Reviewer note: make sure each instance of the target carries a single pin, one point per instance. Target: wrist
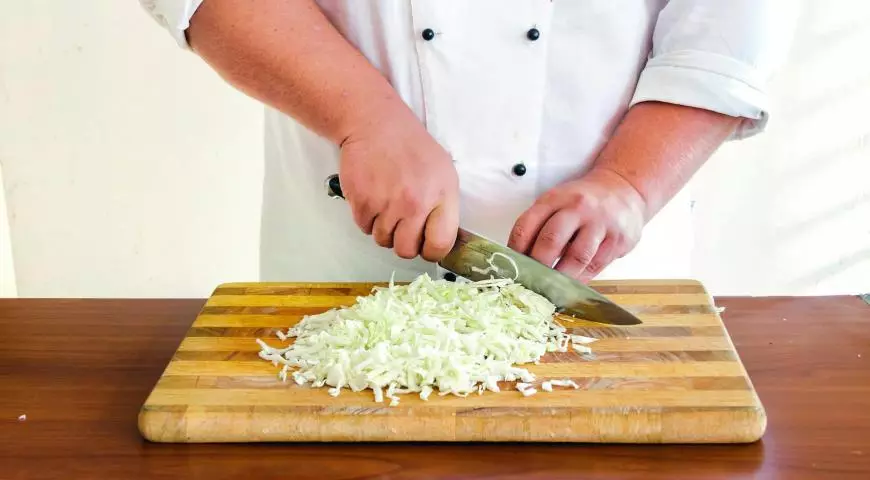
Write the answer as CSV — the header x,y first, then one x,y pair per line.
x,y
627,191
386,115
659,146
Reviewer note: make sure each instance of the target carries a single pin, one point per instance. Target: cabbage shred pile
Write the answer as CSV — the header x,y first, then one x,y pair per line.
x,y
457,337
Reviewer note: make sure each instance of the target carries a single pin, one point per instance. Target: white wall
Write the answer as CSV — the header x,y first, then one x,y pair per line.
x,y
8,287
788,212
130,168
99,111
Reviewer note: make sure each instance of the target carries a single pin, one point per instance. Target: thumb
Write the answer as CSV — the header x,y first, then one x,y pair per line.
x,y
441,228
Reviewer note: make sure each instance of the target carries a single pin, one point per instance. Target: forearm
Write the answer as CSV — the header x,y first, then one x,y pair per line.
x,y
659,146
289,56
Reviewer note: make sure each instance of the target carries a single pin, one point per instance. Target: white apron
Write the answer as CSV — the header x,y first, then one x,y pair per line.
x,y
541,83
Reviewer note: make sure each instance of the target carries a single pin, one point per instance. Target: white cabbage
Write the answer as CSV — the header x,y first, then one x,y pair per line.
x,y
456,337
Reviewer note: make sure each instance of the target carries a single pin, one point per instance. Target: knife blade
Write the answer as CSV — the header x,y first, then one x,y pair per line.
x,y
477,258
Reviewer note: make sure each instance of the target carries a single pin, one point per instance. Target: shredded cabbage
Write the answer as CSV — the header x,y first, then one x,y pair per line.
x,y
528,392
456,337
564,383
582,339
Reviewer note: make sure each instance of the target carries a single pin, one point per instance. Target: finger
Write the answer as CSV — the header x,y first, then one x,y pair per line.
x,y
606,254
440,232
581,250
383,229
408,237
363,216
527,226
554,236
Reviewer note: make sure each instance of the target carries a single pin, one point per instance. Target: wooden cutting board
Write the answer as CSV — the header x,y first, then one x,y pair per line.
x,y
674,379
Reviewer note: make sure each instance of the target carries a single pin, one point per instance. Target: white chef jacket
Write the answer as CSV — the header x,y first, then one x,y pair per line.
x,y
494,97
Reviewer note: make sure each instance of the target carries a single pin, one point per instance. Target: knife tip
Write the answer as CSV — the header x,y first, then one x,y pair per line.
x,y
602,313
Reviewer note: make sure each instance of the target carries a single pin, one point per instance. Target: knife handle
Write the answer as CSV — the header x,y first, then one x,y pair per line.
x,y
333,187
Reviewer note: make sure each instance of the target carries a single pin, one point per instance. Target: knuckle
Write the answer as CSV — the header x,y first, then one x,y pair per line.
x,y
583,257
438,245
580,202
520,232
572,198
363,222
629,240
406,245
434,251
550,197
627,247
595,266
548,238
620,240
383,239
382,242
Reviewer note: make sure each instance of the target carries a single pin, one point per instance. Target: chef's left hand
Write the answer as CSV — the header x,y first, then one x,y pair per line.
x,y
588,222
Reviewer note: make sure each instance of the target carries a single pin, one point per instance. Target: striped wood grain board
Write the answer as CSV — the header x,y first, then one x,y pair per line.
x,y
674,379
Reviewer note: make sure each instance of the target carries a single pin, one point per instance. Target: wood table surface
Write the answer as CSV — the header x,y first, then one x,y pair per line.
x,y
80,369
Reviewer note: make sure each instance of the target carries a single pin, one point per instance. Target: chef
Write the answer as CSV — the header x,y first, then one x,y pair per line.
x,y
558,127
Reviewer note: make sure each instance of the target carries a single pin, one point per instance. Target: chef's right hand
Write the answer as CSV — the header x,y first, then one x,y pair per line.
x,y
402,188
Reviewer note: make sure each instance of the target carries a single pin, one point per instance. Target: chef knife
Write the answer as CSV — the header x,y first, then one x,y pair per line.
x,y
477,258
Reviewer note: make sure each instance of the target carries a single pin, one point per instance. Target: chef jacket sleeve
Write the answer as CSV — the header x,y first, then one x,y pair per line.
x,y
718,55
173,15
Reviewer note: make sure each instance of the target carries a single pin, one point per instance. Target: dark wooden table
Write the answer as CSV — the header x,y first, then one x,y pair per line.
x,y
80,369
